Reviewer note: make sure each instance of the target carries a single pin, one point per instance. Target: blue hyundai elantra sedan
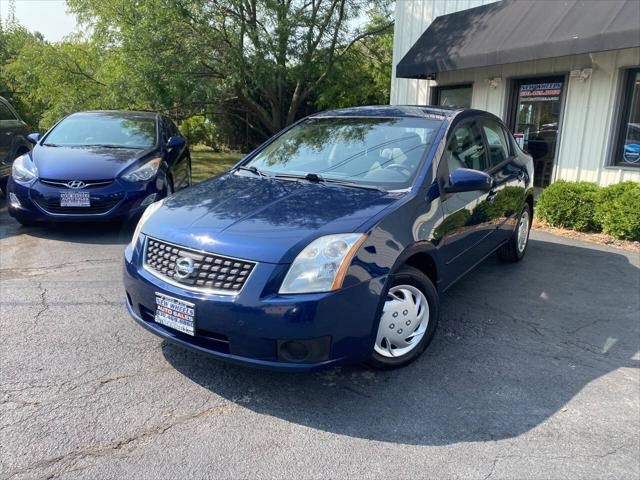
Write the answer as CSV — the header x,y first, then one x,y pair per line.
x,y
96,166
332,242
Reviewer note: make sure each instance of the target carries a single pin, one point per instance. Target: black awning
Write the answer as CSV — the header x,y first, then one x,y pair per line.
x,y
521,30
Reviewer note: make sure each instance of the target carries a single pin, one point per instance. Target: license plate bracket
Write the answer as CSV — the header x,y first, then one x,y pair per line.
x,y
175,313
75,199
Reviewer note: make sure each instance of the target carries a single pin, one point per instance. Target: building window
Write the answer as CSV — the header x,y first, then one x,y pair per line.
x,y
627,152
452,96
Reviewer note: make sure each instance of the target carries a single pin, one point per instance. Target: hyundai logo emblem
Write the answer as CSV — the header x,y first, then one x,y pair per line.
x,y
76,184
184,267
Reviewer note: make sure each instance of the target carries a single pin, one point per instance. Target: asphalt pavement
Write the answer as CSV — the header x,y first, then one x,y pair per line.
x,y
534,373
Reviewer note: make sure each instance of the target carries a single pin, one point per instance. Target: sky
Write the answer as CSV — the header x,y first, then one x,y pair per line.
x,y
48,17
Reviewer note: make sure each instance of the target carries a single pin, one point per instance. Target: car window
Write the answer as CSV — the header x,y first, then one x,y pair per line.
x,y
164,130
103,129
173,130
5,113
466,149
496,142
377,151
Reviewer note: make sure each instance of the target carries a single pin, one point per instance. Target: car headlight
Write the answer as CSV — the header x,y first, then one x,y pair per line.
x,y
143,218
322,265
144,172
23,169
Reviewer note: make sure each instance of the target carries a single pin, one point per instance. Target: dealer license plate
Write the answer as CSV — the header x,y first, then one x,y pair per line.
x,y
176,314
75,199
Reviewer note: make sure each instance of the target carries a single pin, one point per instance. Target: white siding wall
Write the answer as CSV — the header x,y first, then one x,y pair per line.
x,y
412,17
590,108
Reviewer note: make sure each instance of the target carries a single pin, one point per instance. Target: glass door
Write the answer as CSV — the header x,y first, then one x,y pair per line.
x,y
536,122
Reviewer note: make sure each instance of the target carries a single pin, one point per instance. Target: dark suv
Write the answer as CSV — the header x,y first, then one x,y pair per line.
x,y
13,139
333,241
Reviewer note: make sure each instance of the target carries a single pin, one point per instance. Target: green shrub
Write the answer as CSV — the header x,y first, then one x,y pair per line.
x,y
570,205
618,210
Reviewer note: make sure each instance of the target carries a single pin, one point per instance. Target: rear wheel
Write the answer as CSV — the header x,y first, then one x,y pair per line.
x,y
408,320
516,247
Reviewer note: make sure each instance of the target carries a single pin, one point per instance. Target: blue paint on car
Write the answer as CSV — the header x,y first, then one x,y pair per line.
x,y
331,243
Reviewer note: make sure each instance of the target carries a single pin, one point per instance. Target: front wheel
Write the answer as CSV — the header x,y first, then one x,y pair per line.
x,y
408,320
516,247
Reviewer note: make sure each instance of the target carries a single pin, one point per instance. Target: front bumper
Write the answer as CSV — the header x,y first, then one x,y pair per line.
x,y
116,201
250,327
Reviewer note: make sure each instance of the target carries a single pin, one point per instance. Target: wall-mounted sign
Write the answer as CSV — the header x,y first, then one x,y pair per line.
x,y
540,92
519,139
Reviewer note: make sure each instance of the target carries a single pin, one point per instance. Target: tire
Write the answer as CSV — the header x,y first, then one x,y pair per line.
x,y
3,185
516,247
407,286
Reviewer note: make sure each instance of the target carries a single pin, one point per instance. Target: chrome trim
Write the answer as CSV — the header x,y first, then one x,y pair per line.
x,y
170,281
65,184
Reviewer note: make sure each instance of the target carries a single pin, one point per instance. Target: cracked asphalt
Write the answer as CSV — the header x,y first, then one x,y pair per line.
x,y
534,373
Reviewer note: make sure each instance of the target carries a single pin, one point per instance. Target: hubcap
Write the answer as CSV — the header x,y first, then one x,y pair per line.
x,y
404,321
523,231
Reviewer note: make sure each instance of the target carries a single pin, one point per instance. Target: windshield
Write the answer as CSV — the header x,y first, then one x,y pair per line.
x,y
381,152
103,129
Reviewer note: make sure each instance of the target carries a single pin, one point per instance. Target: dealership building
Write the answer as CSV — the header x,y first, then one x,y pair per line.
x,y
564,75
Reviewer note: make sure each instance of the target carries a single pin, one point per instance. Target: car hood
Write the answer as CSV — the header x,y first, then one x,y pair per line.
x,y
83,163
262,219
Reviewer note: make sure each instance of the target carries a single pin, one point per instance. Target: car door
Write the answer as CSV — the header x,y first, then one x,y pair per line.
x,y
465,234
10,128
504,201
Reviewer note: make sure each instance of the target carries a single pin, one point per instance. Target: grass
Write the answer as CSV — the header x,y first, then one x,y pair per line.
x,y
206,164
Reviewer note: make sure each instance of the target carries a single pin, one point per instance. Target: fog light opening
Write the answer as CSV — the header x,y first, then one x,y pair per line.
x,y
149,200
311,350
294,351
14,201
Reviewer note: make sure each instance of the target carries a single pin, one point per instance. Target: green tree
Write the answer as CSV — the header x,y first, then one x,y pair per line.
x,y
363,77
268,58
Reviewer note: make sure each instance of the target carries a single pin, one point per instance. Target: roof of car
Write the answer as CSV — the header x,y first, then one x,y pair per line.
x,y
420,111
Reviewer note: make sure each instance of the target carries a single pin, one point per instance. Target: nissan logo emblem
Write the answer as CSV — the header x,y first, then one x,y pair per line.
x,y
184,267
76,184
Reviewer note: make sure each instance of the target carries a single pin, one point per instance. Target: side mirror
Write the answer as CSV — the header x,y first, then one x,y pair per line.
x,y
33,138
468,180
175,141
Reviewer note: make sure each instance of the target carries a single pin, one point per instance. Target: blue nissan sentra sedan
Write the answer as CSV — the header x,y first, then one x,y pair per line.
x,y
102,165
332,242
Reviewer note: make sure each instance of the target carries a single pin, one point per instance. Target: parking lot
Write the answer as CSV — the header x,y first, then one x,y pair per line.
x,y
533,374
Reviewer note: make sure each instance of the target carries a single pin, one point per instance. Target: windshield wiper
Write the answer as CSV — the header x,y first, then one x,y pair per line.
x,y
253,170
347,183
316,178
312,177
106,145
